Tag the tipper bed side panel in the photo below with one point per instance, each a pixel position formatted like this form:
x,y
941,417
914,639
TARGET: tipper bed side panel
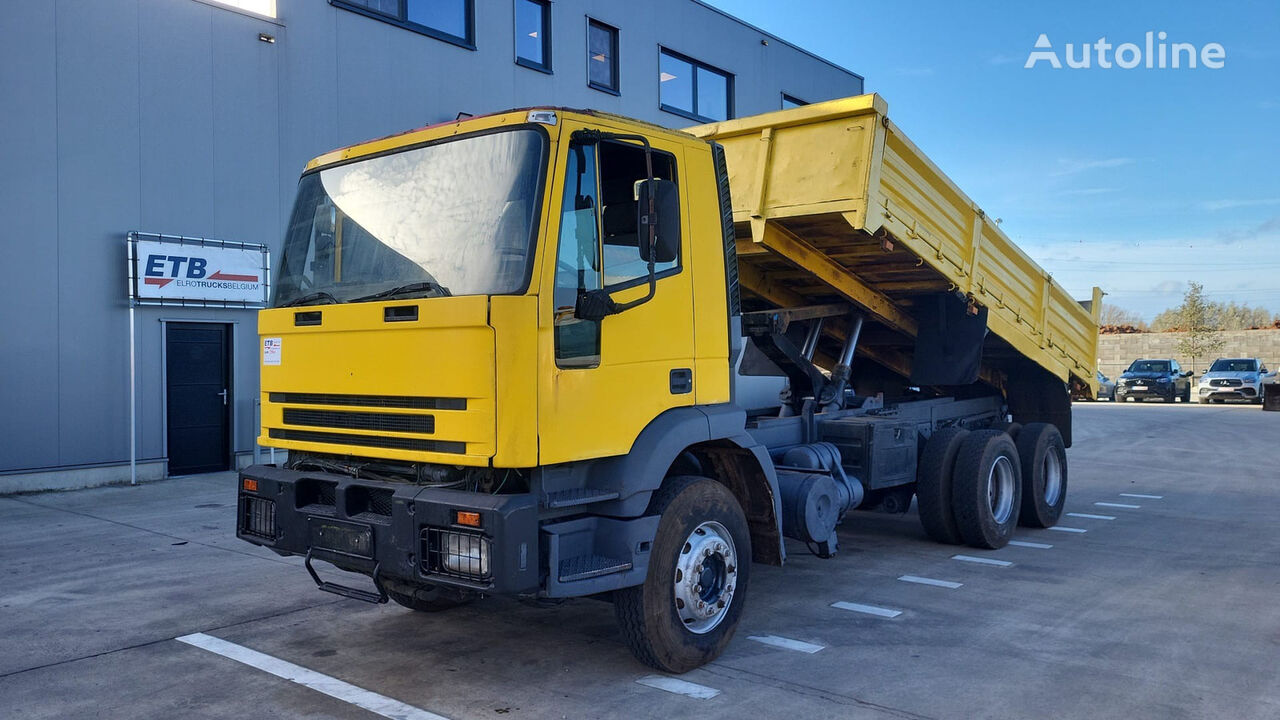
x,y
833,203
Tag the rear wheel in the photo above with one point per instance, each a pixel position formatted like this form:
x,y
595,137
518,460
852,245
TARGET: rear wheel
x,y
987,489
933,484
685,612
1044,475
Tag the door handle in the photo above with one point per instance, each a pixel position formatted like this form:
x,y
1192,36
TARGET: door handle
x,y
223,395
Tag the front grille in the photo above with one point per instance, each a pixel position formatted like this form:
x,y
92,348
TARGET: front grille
x,y
393,443
456,554
258,517
377,401
386,422
1226,382
369,501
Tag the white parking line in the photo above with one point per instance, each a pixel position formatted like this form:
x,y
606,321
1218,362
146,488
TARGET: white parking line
x,y
1140,495
679,687
1024,543
1059,528
333,687
1092,517
787,643
981,560
930,581
868,609
1117,505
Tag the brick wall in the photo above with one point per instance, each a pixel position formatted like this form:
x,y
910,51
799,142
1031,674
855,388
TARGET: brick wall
x,y
1115,352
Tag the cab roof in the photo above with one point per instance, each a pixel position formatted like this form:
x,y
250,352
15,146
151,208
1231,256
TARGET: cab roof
x,y
513,117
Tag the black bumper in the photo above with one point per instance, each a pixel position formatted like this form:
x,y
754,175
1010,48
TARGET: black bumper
x,y
403,532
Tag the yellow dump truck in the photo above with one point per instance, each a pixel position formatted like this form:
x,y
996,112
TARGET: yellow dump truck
x,y
554,353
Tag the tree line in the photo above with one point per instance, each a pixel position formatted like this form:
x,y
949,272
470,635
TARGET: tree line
x,y
1195,312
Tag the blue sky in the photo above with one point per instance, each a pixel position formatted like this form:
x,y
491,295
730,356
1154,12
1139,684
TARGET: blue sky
x,y
1133,180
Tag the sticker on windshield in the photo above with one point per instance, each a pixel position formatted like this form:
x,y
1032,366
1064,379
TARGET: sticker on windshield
x,y
271,351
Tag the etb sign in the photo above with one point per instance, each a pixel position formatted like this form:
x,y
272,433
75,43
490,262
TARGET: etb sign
x,y
171,270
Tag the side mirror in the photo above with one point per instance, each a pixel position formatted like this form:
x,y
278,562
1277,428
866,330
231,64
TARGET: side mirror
x,y
665,219
1188,373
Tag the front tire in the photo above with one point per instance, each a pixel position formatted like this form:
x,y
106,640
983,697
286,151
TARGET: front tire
x,y
987,489
1044,475
685,613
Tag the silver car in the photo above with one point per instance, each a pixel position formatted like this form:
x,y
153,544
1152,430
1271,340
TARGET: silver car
x,y
1235,379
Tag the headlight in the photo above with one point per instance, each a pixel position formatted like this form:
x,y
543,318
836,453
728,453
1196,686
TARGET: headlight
x,y
1163,381
1252,378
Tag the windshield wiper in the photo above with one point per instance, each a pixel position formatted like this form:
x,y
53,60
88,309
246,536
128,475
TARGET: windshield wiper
x,y
311,298
423,286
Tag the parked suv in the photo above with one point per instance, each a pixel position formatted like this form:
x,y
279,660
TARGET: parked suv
x,y
1154,378
1235,379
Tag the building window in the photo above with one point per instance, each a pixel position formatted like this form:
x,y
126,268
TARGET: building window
x,y
449,20
533,34
693,89
602,57
791,101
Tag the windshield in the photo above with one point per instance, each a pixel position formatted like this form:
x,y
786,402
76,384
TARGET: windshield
x,y
453,218
1234,366
1151,366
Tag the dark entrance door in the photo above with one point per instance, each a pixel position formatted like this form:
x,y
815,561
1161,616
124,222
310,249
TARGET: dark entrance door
x,y
198,380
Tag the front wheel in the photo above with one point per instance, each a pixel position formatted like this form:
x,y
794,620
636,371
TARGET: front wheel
x,y
684,614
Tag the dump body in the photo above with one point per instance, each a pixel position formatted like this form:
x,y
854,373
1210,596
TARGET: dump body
x,y
832,202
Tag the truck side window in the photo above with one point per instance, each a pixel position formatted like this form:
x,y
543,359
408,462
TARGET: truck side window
x,y
577,341
621,169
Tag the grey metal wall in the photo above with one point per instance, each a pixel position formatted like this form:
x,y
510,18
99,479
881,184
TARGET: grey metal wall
x,y
172,116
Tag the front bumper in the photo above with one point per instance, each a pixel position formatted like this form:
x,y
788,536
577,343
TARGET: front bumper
x,y
394,531
1230,392
1152,390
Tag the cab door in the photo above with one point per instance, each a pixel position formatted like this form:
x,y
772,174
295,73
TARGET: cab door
x,y
602,382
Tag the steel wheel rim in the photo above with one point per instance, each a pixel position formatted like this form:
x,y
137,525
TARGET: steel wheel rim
x,y
1000,489
1052,478
706,577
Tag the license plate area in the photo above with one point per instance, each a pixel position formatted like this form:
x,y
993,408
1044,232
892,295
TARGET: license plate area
x,y
344,538
1139,387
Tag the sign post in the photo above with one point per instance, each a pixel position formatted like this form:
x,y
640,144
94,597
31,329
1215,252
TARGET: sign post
x,y
189,272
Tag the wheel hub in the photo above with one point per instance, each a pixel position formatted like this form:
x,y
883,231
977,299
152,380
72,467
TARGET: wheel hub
x,y
1052,478
705,577
1000,489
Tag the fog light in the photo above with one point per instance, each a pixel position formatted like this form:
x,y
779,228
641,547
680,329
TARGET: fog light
x,y
467,555
258,517
461,554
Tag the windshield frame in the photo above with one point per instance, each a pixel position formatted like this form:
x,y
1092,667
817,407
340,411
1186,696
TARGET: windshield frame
x,y
539,201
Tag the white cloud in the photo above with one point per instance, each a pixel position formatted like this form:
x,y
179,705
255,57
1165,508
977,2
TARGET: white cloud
x,y
1240,203
1069,166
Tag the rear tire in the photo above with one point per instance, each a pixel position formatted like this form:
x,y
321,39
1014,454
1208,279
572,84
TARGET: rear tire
x,y
987,489
934,483
678,638
1044,475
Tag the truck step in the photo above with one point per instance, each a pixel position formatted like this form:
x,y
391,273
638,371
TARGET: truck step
x,y
589,566
577,496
